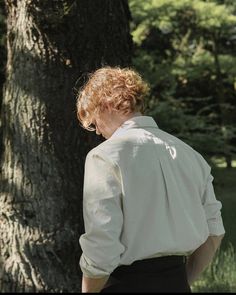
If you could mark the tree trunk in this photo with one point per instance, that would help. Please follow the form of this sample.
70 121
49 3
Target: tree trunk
50 45
2 58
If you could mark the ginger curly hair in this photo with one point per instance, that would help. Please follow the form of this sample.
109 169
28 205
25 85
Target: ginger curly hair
122 89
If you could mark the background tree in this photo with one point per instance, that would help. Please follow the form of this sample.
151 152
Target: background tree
50 45
186 49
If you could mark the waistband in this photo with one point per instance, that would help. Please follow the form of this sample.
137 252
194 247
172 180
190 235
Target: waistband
151 265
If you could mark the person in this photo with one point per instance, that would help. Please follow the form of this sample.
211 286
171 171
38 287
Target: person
152 220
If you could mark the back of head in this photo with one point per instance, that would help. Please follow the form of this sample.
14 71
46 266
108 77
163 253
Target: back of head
122 89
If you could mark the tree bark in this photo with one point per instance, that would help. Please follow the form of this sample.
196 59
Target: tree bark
50 45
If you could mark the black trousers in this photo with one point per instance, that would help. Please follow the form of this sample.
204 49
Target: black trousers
162 274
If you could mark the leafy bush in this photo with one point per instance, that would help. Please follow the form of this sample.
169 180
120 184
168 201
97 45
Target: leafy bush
186 50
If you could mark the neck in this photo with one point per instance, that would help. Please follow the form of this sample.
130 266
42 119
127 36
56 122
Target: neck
124 118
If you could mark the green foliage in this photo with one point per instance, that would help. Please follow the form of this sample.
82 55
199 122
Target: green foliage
167 15
186 50
195 130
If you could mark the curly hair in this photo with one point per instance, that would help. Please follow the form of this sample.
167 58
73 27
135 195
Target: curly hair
122 89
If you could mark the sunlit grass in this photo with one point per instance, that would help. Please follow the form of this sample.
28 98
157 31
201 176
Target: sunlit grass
220 276
221 163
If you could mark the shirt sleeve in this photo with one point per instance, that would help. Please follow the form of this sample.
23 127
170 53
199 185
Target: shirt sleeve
103 217
212 209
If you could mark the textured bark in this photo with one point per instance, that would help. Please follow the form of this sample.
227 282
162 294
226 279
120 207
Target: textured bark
50 45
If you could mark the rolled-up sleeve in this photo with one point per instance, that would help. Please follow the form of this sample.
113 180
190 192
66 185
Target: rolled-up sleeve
212 209
103 217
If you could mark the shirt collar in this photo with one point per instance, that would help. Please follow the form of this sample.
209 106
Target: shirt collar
135 122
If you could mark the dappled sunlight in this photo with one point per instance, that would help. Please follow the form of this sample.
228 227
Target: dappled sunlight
221 163
171 149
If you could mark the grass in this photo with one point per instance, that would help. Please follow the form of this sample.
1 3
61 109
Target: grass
225 190
220 276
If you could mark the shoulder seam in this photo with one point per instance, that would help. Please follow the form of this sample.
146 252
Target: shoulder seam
98 150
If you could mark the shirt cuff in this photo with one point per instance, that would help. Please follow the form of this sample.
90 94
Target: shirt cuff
216 227
91 271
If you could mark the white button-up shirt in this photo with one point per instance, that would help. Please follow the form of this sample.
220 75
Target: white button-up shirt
146 194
